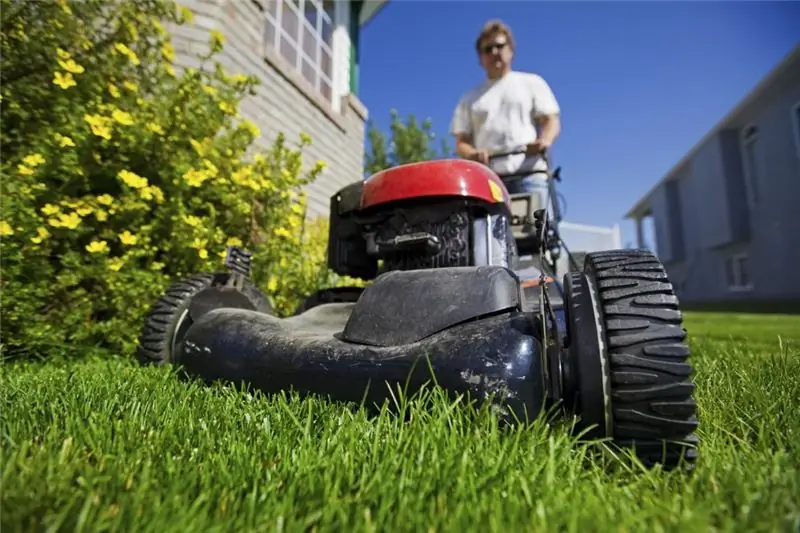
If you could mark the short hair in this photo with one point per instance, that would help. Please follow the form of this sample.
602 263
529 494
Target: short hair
493 27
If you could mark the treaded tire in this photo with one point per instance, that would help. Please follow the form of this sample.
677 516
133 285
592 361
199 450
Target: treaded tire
169 313
652 405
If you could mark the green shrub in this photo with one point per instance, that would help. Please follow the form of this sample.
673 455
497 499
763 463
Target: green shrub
120 174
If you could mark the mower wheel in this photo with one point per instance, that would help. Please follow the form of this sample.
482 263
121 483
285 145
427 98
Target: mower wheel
651 404
169 318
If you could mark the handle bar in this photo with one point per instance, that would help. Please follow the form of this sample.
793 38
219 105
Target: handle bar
497 155
556 174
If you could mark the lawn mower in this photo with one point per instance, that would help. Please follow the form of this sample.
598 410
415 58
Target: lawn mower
440 244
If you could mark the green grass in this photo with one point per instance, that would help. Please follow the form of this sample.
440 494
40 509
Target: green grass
108 446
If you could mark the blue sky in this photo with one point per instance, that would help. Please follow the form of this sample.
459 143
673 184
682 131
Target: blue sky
639 82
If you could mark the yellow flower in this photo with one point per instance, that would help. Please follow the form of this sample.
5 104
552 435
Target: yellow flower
33 160
131 179
282 232
209 90
127 238
272 285
84 210
101 215
105 199
130 86
192 220
152 192
320 165
62 54
155 128
217 40
122 117
71 66
65 81
199 243
234 241
127 52
113 90
195 178
170 71
186 13
70 221
198 147
41 234
64 141
5 229
50 209
99 125
251 127
227 107
95 247
115 263
25 171
305 138
203 253
168 52
64 6
158 26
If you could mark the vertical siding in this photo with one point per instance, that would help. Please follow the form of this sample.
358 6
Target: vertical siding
278 105
675 218
709 177
737 210
658 204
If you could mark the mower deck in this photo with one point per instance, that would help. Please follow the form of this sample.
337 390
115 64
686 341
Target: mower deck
497 356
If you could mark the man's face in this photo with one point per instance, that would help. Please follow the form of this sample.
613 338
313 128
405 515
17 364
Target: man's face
495 54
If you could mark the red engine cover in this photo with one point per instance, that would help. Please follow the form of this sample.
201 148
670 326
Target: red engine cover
446 177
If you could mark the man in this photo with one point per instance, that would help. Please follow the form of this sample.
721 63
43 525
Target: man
508 111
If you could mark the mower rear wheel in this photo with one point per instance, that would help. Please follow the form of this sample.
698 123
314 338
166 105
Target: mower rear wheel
651 392
169 318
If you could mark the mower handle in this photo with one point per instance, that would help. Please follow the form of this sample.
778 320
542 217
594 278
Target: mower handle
556 174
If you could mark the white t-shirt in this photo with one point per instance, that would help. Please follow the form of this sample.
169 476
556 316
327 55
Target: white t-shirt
499 116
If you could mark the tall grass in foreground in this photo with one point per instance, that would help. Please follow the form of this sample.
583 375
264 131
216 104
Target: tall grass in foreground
107 446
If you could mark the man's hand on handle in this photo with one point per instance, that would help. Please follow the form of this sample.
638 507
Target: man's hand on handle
537 147
481 156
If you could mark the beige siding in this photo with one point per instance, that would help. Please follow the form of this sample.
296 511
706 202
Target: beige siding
282 103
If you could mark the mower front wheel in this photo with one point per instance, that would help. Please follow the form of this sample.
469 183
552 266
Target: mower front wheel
169 318
636 376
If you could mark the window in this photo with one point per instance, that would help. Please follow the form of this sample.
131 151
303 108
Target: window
751 160
737 273
796 126
301 32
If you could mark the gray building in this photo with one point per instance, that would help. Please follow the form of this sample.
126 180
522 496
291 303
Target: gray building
305 52
727 215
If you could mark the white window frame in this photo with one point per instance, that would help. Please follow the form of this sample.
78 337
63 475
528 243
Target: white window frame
796 126
750 136
735 261
303 24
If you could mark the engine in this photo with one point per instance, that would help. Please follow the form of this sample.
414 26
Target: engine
416 231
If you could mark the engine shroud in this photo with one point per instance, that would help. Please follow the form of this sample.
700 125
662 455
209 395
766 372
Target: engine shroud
416 233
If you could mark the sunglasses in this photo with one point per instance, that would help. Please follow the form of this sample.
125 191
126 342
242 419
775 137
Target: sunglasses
489 48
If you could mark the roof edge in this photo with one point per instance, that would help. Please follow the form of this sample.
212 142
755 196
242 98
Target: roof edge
767 81
368 15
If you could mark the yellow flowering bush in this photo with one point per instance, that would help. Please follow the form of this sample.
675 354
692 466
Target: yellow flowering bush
120 175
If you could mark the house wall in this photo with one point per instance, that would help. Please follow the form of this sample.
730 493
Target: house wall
284 101
716 222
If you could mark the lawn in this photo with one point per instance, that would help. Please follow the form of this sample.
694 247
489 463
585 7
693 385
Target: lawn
102 445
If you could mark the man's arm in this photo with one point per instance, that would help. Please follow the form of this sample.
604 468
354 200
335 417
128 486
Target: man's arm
464 146
549 127
461 128
547 112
